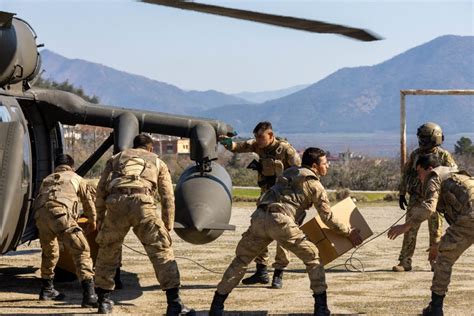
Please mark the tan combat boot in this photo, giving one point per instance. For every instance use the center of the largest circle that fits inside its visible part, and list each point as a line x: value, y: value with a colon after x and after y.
x: 403, y: 266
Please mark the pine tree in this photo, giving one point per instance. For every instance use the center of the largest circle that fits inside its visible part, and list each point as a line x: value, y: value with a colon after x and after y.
x: 464, y: 146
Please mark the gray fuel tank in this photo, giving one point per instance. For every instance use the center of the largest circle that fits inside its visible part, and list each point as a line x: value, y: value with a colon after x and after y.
x: 203, y: 204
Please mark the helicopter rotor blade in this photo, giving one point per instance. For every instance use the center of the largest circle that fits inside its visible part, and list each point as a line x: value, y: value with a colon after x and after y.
x: 272, y: 19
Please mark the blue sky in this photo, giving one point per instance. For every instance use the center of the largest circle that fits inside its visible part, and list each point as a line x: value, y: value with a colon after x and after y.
x: 199, y: 51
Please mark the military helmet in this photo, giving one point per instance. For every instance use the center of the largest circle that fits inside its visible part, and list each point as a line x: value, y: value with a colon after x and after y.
x: 430, y: 135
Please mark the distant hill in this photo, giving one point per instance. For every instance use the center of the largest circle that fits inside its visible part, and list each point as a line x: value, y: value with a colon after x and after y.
x: 263, y: 96
x: 367, y: 99
x: 119, y: 88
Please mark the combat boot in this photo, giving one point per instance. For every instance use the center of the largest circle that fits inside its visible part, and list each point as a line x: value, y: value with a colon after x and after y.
x: 104, y: 301
x: 217, y: 305
x: 89, y: 298
x: 321, y: 305
x: 48, y: 292
x: 277, y: 281
x: 175, y: 305
x: 403, y: 266
x: 435, y: 307
x: 260, y: 276
x: 118, y: 280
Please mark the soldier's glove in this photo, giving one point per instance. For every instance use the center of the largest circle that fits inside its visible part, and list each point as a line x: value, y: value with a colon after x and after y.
x: 402, y: 202
x: 355, y: 237
x: 226, y: 142
x: 255, y: 165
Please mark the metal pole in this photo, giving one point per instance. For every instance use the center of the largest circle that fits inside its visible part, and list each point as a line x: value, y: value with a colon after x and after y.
x: 403, y: 131
x: 403, y: 126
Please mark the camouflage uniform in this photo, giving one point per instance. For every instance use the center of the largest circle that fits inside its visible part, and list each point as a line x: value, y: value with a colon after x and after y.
x: 411, y: 185
x: 278, y: 212
x: 56, y: 217
x: 275, y: 158
x: 450, y: 193
x: 125, y: 198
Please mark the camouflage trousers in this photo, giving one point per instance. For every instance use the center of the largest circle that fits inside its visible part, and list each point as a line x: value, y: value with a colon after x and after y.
x: 457, y: 239
x: 139, y: 212
x: 266, y: 226
x: 281, y: 258
x: 435, y: 228
x: 55, y: 222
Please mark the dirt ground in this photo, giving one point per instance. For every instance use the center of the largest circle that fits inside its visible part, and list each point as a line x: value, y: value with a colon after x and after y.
x: 378, y: 291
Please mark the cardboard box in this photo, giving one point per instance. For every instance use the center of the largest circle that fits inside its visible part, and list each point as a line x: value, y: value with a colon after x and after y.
x: 65, y: 260
x: 330, y: 244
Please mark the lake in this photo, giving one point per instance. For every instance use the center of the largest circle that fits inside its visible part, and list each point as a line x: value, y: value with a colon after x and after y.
x: 367, y: 144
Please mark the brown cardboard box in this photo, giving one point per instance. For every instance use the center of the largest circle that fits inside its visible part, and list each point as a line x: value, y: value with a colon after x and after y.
x: 330, y: 244
x: 65, y: 260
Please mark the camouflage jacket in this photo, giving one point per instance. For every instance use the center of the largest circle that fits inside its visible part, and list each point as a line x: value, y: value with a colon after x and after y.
x: 134, y: 168
x: 296, y: 191
x: 66, y: 187
x: 449, y: 192
x: 275, y: 158
x: 409, y: 182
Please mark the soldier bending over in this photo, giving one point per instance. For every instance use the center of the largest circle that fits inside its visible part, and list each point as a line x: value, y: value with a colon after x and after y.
x: 56, y: 217
x: 451, y: 193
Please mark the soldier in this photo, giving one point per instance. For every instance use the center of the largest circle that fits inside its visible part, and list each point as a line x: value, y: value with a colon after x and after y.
x: 117, y: 278
x: 430, y: 138
x: 275, y: 155
x: 452, y: 193
x: 56, y: 218
x: 125, y: 198
x: 276, y: 217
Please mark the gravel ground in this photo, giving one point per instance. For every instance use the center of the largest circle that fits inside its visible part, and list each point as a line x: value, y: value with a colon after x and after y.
x: 377, y: 291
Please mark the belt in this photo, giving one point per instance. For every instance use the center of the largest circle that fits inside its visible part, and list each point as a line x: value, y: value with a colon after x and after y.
x: 130, y: 191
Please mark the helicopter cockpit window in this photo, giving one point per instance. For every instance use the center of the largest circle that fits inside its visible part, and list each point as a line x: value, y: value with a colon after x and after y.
x: 4, y: 114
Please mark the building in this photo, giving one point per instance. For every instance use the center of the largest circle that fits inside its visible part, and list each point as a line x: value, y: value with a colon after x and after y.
x: 171, y: 145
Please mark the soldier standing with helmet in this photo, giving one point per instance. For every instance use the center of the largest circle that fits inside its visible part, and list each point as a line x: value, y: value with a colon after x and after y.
x: 430, y: 137
x: 278, y: 213
x: 450, y: 192
x: 56, y: 216
x: 275, y: 155
x: 125, y: 198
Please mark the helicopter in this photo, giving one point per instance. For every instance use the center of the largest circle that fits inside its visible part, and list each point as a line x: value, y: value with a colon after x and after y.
x: 32, y: 120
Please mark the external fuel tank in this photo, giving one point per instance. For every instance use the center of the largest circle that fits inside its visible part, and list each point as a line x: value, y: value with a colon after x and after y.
x: 203, y: 204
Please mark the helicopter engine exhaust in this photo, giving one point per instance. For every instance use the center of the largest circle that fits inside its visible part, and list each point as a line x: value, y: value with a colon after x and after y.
x: 20, y: 59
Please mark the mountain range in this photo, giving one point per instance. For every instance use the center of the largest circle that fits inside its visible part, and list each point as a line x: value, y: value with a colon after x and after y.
x: 120, y: 88
x: 367, y: 99
x: 358, y: 99
x: 263, y: 96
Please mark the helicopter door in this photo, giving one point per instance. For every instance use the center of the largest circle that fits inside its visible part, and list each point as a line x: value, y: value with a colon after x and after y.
x: 12, y: 195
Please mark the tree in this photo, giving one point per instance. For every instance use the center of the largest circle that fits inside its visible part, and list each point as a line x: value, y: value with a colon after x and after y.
x: 65, y: 86
x: 464, y: 146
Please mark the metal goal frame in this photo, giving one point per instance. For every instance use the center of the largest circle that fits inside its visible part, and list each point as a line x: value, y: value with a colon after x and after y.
x: 403, y: 125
